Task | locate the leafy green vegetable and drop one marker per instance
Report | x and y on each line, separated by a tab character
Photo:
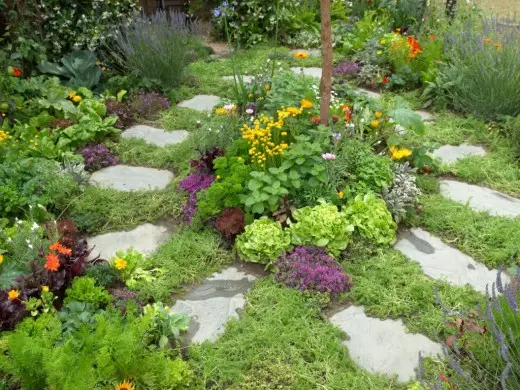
84	289
79	68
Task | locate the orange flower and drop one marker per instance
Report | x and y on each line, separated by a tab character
13	294
487	40
315	120
60	249
125	386
301	55
53	263
306	103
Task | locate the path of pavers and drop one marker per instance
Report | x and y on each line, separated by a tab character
154	136
383	346
213	303
200	102
311	72
481	198
449	154
128	178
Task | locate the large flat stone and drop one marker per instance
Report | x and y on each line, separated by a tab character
383	347
441	261
127	178
144	238
481	198
450	153
157	137
370	94
247	79
425	116
213	303
311	72
201	102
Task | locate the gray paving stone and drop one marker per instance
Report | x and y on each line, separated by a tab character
481	198
127	178
442	262
310	52
368	93
425	116
383	347
200	102
144	238
450	153
157	137
311	72
247	79
213	303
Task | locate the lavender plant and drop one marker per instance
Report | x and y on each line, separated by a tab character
192	185
346	69
310	268
97	157
403	193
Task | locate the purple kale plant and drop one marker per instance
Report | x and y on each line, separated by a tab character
310	268
97	157
346	69
205	163
149	104
193	184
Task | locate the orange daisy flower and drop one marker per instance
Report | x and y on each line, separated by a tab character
53	263
60	249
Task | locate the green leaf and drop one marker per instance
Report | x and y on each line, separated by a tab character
254	185
258	208
408	119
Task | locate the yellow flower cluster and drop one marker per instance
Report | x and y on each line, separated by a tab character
399	153
75	97
4	136
120	264
229	109
260	138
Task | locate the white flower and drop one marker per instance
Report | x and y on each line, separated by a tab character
9	239
230	107
34	226
30	246
249	111
198	122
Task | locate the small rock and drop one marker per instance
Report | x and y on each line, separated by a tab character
144	238
450	154
247	79
200	102
481	198
370	94
311	72
128	178
157	137
383	347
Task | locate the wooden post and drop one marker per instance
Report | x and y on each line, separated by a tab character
326	55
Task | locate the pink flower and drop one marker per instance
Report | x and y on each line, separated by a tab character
328	156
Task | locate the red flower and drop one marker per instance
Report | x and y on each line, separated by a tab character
53	263
385	80
315	120
17	72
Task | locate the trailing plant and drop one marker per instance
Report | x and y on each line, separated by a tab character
263	242
371	219
323	226
97	157
311	269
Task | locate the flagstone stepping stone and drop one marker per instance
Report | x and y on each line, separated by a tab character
383	346
311	72
157	137
425	116
128	178
144	238
200	102
481	198
310	52
247	79
450	153
442	262
370	94
213	303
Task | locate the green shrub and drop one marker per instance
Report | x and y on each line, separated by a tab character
323	226
84	289
263	241
371	218
103	273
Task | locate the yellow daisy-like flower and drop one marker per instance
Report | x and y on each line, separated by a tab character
374	123
77	99
125	386
301	55
306	103
13	294
1	259
398	154
221	111
71	95
45	288
340	194
293	111
379	114
120	264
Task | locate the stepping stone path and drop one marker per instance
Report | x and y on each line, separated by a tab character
213	303
442	262
247	79
128	178
450	154
481	198
370	94
311	72
383	346
310	52
425	116
157	137
200	102
144	238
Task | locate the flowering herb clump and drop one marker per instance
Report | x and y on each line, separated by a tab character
192	185
310	268
346	69
149	104
97	157
230	222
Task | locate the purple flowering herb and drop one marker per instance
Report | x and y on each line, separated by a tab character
346	69
310	268
193	184
97	157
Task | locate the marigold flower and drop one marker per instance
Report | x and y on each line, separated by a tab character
53	263
125	386
374	123
340	194
60	249
45	288
120	264
306	103
13	294
398	154
379	114
301	55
